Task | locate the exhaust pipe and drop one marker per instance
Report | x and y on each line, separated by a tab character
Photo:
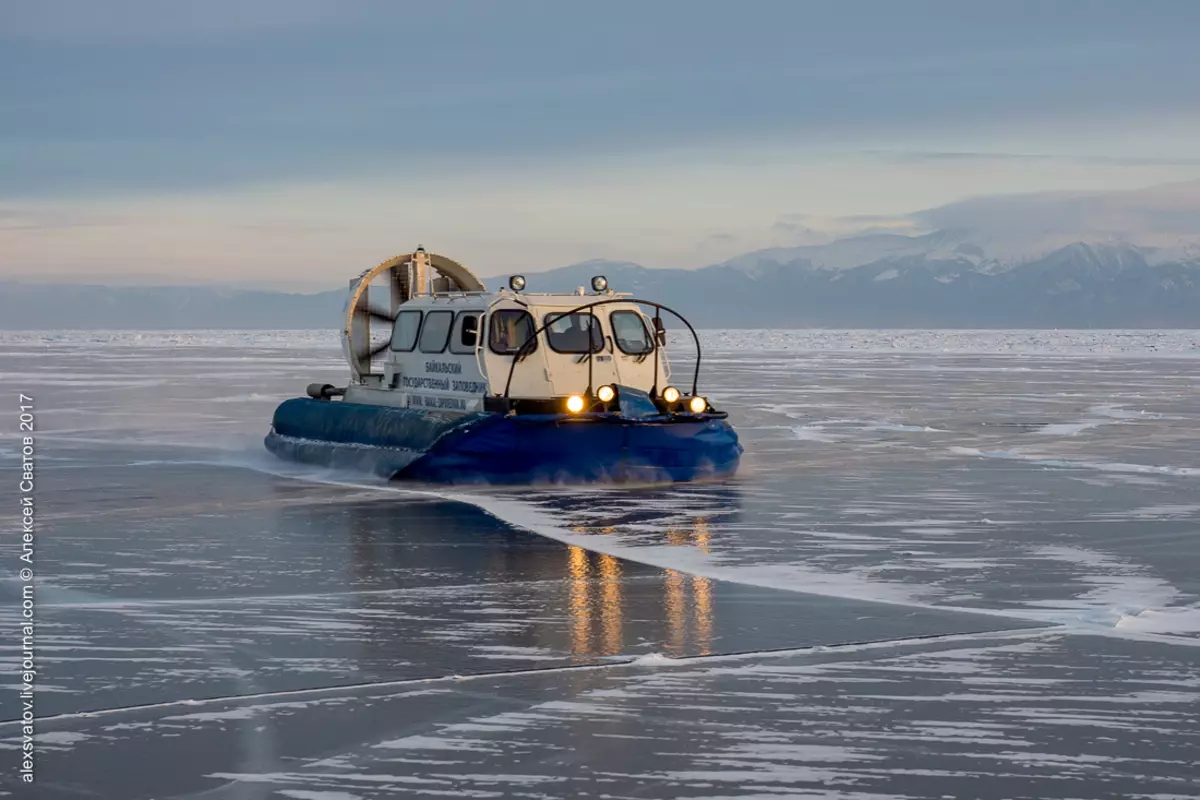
324	391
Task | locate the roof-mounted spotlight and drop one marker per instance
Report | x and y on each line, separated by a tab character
516	283
599	283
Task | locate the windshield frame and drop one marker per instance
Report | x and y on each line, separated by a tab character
513	348
649	337
594	327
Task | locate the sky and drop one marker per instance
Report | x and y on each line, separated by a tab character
297	142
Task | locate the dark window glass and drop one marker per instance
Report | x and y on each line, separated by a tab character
435	333
630	333
466	332
508	330
404	333
569	333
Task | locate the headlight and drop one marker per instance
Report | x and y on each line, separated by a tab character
516	283
698	405
605	394
574	404
599	283
670	394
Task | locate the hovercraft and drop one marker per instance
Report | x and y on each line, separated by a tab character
452	383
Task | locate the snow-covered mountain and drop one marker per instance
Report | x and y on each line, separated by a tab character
855	251
1078	286
1103	259
911	285
1112	259
1162	221
997	233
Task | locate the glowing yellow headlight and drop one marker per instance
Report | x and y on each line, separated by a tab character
697	405
605	394
574	404
670	394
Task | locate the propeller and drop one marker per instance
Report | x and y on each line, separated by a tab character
371	352
366	351
372	313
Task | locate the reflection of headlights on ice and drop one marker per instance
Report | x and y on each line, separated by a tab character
697	405
606	394
574	404
670	394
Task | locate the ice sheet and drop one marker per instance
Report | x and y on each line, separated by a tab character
1026	476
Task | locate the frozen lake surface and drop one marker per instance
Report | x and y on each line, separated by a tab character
953	564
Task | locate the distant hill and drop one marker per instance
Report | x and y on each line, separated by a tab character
928	281
26	306
924	284
1118	259
1124	259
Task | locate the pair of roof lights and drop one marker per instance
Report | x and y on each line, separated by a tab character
517	283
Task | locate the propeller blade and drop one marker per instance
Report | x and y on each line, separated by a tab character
367	353
375	314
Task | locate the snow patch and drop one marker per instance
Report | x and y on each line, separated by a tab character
1172	620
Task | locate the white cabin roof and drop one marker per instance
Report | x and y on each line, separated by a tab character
519	299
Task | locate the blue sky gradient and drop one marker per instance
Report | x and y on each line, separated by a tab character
482	125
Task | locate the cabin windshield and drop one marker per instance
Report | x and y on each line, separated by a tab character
404	332
508	330
569	333
435	333
629	331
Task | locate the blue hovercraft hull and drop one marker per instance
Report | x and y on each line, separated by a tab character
496	448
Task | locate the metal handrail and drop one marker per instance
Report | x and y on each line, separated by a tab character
659	308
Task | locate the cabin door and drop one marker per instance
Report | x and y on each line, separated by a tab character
632	349
569	374
570	337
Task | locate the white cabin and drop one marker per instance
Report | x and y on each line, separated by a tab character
450	348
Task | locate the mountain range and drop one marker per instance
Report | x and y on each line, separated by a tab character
1081	260
926	281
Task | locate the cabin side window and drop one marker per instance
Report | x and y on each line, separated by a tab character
466	333
435	333
569	333
404	332
508	330
630	333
